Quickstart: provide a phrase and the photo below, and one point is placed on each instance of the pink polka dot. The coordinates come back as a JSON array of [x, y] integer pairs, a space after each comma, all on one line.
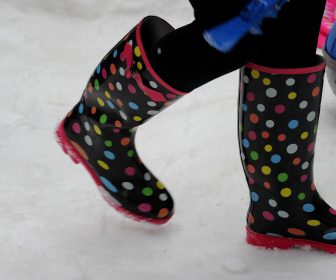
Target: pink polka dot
[[332, 211], [303, 178], [116, 130], [104, 73], [145, 207], [312, 78], [130, 171], [171, 96], [268, 216], [252, 135], [251, 181], [250, 96], [311, 147], [280, 109], [131, 89], [76, 128]]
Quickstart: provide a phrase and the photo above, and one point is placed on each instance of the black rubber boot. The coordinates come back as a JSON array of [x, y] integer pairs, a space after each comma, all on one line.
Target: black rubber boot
[[122, 93], [278, 119]]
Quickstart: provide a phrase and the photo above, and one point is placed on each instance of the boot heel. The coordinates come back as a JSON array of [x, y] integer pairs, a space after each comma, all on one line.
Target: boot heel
[[268, 242], [65, 144]]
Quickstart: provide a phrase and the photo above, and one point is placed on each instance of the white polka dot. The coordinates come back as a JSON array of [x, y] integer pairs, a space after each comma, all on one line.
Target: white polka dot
[[122, 71], [292, 149], [272, 203], [128, 186], [87, 126], [283, 214], [303, 105], [88, 140], [152, 112], [246, 79], [243, 156], [305, 165], [261, 108], [270, 124], [147, 177], [153, 84], [271, 92], [311, 116], [119, 86], [130, 42], [163, 197], [159, 51], [123, 115], [290, 82], [151, 104]]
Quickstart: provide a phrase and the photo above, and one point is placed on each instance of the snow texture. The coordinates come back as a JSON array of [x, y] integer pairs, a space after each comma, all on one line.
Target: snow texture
[[55, 225]]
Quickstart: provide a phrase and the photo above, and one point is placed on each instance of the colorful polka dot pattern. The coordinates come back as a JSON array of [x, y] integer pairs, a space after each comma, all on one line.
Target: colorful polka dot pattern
[[120, 95], [278, 119]]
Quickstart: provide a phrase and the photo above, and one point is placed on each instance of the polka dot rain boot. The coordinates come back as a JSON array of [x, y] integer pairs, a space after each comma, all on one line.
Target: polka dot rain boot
[[123, 92], [278, 119]]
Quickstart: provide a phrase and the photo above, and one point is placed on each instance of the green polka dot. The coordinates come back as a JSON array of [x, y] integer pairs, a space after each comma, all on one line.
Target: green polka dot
[[254, 155], [96, 84], [282, 177], [103, 119], [240, 128], [301, 196], [315, 129], [108, 143], [130, 153], [147, 191]]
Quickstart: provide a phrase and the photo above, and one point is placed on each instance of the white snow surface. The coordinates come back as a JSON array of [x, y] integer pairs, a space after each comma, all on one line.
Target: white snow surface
[[53, 222]]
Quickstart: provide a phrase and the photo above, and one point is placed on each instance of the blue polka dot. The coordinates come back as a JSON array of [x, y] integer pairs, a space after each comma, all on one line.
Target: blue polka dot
[[108, 185], [133, 106], [276, 159], [98, 69], [255, 197], [246, 143], [109, 155], [244, 107], [293, 124], [115, 53], [110, 104], [308, 208], [81, 108], [330, 236]]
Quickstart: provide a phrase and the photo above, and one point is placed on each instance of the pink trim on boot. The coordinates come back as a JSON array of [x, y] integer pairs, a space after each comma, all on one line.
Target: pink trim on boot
[[274, 242]]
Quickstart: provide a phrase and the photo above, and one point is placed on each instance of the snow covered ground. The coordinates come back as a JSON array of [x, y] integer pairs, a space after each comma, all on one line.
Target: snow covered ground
[[54, 224]]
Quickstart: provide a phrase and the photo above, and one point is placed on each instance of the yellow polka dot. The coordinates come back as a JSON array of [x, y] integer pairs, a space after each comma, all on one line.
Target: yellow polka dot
[[139, 65], [286, 192], [107, 94], [160, 185], [137, 118], [313, 223], [268, 148], [103, 165], [266, 170], [137, 51], [255, 74], [100, 102], [97, 129], [304, 135], [292, 95], [266, 81]]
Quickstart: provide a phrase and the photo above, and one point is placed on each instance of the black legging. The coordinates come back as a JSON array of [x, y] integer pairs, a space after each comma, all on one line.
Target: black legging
[[186, 61]]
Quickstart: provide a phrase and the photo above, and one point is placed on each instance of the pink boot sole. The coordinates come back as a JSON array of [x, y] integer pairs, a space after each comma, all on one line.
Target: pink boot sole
[[273, 242], [68, 149]]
